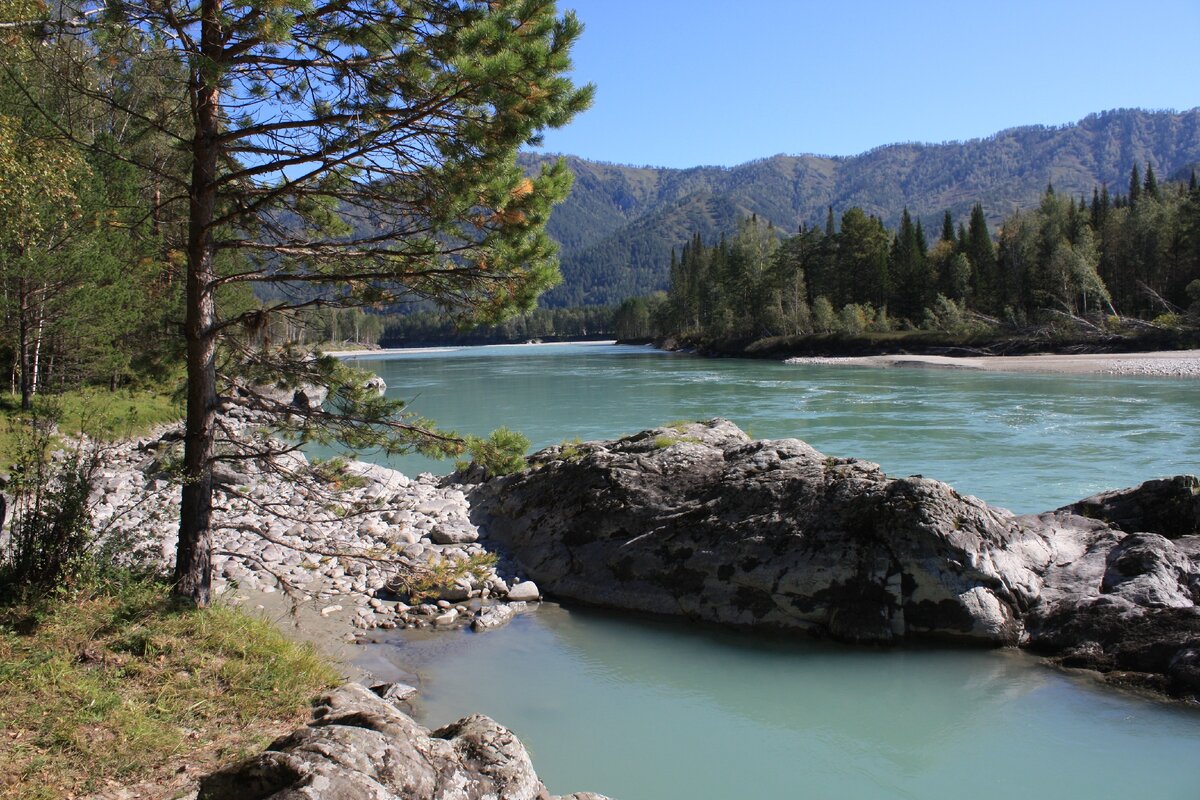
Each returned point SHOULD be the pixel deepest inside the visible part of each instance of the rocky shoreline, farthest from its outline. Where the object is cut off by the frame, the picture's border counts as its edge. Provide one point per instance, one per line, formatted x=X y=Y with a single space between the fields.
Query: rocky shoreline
x=696 y=521
x=365 y=547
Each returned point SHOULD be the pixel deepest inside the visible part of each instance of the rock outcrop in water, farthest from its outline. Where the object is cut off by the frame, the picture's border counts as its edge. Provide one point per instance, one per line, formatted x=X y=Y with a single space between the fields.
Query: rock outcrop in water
x=360 y=746
x=699 y=521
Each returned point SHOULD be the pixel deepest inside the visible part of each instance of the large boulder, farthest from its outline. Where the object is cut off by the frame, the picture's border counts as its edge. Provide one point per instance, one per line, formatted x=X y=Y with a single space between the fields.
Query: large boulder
x=361 y=746
x=697 y=520
x=1169 y=507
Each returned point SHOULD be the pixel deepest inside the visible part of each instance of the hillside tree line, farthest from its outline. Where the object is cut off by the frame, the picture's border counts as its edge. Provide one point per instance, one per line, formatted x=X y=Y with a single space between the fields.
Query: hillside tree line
x=1124 y=256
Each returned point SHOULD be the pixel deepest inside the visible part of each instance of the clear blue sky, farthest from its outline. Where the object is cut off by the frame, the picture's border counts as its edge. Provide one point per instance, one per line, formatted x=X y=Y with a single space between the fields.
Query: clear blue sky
x=682 y=83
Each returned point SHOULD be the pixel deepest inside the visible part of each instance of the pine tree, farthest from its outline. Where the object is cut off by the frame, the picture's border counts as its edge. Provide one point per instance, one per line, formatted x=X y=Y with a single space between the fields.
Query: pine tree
x=911 y=282
x=982 y=254
x=366 y=151
x=862 y=269
x=947 y=227
x=1151 y=184
x=1135 y=186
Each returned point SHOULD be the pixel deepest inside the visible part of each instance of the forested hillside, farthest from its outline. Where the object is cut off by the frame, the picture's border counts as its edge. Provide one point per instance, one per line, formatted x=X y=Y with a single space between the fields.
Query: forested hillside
x=618 y=227
x=1099 y=266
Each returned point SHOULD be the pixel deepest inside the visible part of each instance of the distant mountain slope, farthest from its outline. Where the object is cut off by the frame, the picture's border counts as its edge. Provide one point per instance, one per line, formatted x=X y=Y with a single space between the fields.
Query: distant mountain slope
x=617 y=228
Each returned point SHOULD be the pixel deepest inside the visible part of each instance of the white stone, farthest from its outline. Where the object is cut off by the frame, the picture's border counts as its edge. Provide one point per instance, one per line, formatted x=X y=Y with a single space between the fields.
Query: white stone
x=526 y=590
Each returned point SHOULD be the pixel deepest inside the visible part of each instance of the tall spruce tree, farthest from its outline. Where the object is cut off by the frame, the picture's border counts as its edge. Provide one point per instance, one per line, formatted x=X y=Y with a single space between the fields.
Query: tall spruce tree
x=982 y=254
x=346 y=152
x=1151 y=184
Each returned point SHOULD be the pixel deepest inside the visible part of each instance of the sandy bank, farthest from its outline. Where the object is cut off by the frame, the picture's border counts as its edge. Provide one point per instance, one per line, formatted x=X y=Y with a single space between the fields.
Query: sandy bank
x=1173 y=363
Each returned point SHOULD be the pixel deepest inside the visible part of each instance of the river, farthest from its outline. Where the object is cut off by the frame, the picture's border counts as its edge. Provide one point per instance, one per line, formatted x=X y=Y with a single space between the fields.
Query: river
x=654 y=710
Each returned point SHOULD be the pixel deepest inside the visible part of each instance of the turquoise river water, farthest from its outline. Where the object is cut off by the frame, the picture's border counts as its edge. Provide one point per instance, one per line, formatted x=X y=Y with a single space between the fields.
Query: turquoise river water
x=655 y=709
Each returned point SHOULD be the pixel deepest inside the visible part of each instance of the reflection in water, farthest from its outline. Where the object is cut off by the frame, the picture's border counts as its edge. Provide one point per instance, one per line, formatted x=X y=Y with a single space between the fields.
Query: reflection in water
x=659 y=709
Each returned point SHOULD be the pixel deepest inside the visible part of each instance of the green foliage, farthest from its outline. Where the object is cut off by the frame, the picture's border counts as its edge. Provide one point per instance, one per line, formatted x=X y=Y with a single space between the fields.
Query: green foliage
x=663 y=441
x=428 y=581
x=50 y=531
x=951 y=316
x=1193 y=293
x=571 y=450
x=823 y=317
x=501 y=453
x=636 y=318
x=335 y=471
x=100 y=414
x=429 y=327
x=1051 y=265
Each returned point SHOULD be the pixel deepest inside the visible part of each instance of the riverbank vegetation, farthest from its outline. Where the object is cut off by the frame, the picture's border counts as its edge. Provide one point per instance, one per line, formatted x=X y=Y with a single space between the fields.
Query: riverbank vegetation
x=1115 y=264
x=1072 y=270
x=112 y=683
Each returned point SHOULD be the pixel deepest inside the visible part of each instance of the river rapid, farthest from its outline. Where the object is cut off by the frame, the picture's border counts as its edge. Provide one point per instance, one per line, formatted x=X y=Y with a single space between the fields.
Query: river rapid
x=644 y=708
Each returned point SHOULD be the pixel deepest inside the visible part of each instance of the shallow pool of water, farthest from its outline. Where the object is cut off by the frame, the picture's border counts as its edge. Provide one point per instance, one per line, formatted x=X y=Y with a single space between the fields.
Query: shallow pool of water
x=659 y=709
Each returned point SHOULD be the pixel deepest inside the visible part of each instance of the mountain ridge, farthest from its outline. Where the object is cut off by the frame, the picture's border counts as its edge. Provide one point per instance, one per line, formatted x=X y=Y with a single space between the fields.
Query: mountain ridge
x=617 y=228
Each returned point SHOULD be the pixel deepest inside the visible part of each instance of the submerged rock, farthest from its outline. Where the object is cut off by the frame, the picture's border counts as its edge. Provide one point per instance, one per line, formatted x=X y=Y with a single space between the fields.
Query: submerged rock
x=361 y=746
x=699 y=521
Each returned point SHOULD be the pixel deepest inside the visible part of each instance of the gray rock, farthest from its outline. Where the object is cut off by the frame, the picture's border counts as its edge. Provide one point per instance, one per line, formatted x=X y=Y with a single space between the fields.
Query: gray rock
x=454 y=592
x=525 y=590
x=493 y=617
x=701 y=522
x=1149 y=570
x=394 y=692
x=361 y=746
x=271 y=554
x=376 y=384
x=1169 y=507
x=453 y=533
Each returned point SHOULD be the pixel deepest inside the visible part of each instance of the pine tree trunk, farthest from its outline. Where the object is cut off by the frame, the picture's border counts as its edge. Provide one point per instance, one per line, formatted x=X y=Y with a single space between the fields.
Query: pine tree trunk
x=193 y=558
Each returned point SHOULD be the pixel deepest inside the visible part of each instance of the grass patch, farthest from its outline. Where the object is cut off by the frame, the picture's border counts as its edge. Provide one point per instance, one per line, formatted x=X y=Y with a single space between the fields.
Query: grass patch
x=572 y=450
x=122 y=685
x=99 y=413
x=662 y=442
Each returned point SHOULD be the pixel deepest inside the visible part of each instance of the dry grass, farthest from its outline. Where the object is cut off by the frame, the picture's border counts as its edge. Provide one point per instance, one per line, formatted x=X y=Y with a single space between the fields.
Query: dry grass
x=122 y=686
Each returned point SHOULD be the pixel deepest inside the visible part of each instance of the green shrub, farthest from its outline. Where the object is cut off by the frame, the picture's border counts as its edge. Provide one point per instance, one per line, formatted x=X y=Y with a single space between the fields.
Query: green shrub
x=50 y=533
